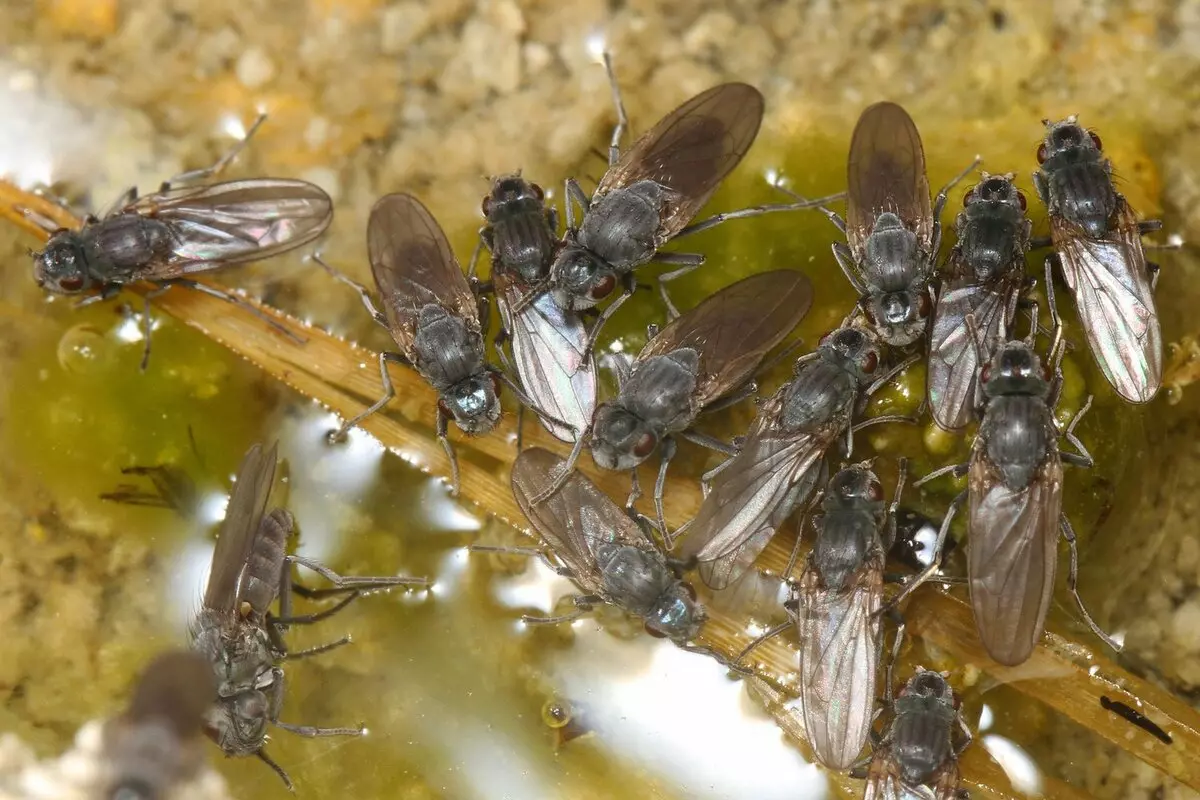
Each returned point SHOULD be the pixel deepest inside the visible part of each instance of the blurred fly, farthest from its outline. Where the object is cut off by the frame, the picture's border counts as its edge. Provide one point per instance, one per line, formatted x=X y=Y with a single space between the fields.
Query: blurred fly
x=707 y=355
x=837 y=604
x=156 y=744
x=783 y=455
x=651 y=193
x=235 y=629
x=983 y=277
x=554 y=363
x=434 y=318
x=182 y=230
x=923 y=743
x=1098 y=240
x=1014 y=496
x=602 y=549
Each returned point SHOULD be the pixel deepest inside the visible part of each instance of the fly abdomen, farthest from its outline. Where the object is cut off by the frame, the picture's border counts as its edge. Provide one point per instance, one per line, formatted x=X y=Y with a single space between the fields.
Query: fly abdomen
x=816 y=395
x=633 y=578
x=921 y=742
x=522 y=243
x=1086 y=195
x=265 y=564
x=1017 y=430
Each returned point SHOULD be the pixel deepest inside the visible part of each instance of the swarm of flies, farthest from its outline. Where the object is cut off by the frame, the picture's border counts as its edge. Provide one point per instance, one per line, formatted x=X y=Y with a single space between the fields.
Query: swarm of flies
x=959 y=313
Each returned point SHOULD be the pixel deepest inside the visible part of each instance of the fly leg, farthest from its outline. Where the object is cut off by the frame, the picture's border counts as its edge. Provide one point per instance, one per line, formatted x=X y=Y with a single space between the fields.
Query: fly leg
x=660 y=487
x=524 y=551
x=278 y=770
x=363 y=294
x=148 y=322
x=573 y=191
x=935 y=562
x=939 y=203
x=220 y=294
x=1068 y=533
x=882 y=418
x=687 y=262
x=804 y=202
x=890 y=532
x=310 y=731
x=897 y=644
x=223 y=162
x=747 y=389
x=1082 y=458
x=718 y=657
x=614 y=144
x=583 y=604
x=769 y=634
x=946 y=781
x=526 y=401
x=757 y=211
x=388 y=393
x=560 y=479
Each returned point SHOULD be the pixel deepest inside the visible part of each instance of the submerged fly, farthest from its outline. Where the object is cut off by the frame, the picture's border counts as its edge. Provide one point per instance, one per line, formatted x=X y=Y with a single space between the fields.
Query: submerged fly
x=983 y=278
x=170 y=236
x=156 y=744
x=1098 y=240
x=596 y=544
x=837 y=605
x=235 y=629
x=550 y=348
x=923 y=743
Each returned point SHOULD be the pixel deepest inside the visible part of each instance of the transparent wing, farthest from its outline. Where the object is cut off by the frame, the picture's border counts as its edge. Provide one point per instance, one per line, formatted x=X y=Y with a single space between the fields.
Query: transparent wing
x=548 y=346
x=574 y=520
x=883 y=779
x=691 y=150
x=753 y=495
x=232 y=222
x=1109 y=280
x=1012 y=556
x=733 y=329
x=242 y=518
x=414 y=265
x=887 y=173
x=839 y=660
x=953 y=364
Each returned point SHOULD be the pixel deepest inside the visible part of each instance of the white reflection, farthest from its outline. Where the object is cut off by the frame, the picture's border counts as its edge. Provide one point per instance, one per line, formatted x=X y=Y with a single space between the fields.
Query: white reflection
x=130 y=329
x=678 y=715
x=188 y=574
x=538 y=587
x=986 y=718
x=926 y=536
x=234 y=127
x=442 y=512
x=449 y=571
x=1016 y=763
x=772 y=175
x=596 y=44
x=211 y=509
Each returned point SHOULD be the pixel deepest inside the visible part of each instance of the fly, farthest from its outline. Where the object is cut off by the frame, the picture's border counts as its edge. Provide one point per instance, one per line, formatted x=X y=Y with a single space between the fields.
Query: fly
x=168 y=237
x=238 y=635
x=782 y=458
x=549 y=345
x=433 y=317
x=983 y=277
x=1098 y=241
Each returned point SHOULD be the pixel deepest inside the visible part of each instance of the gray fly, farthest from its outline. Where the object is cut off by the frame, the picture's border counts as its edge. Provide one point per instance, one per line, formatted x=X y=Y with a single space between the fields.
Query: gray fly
x=983 y=277
x=156 y=743
x=892 y=232
x=1098 y=240
x=168 y=237
x=707 y=355
x=782 y=457
x=235 y=630
x=549 y=345
x=924 y=741
x=651 y=193
x=433 y=317
x=836 y=606
x=592 y=541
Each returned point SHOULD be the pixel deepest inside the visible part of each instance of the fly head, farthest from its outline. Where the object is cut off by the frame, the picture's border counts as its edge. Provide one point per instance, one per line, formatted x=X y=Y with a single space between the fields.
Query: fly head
x=1015 y=370
x=900 y=317
x=512 y=196
x=854 y=486
x=238 y=724
x=580 y=279
x=854 y=350
x=677 y=615
x=62 y=267
x=992 y=227
x=620 y=439
x=473 y=402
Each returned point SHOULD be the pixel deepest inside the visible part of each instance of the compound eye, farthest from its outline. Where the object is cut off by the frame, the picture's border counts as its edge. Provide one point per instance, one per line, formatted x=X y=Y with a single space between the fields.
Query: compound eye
x=1041 y=153
x=870 y=363
x=923 y=305
x=645 y=445
x=496 y=384
x=985 y=374
x=487 y=205
x=71 y=284
x=603 y=287
x=537 y=192
x=655 y=632
x=967 y=197
x=875 y=491
x=690 y=591
x=1096 y=140
x=1021 y=199
x=444 y=408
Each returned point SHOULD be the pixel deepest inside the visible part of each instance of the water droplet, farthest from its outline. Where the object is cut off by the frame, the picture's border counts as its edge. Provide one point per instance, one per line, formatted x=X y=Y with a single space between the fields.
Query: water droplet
x=83 y=349
x=557 y=713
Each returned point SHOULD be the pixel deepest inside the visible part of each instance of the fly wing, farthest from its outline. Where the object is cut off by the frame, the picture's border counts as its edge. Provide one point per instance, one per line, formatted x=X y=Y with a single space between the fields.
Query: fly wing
x=573 y=521
x=839 y=660
x=242 y=518
x=883 y=779
x=1109 y=280
x=887 y=173
x=733 y=329
x=752 y=496
x=414 y=266
x=952 y=379
x=549 y=349
x=1013 y=555
x=690 y=151
x=233 y=222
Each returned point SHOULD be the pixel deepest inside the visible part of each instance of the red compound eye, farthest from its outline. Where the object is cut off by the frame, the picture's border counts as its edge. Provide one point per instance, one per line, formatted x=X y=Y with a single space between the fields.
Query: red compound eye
x=603 y=287
x=875 y=491
x=496 y=384
x=537 y=191
x=967 y=197
x=1021 y=200
x=871 y=362
x=645 y=445
x=923 y=305
x=1041 y=153
x=985 y=373
x=655 y=632
x=71 y=284
x=691 y=591
x=487 y=205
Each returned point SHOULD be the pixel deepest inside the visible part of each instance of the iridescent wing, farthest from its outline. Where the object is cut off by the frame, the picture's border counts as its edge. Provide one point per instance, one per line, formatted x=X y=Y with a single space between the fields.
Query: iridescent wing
x=690 y=151
x=242 y=517
x=953 y=371
x=414 y=266
x=549 y=351
x=573 y=521
x=232 y=222
x=753 y=494
x=886 y=172
x=733 y=329
x=1012 y=556
x=839 y=660
x=1109 y=280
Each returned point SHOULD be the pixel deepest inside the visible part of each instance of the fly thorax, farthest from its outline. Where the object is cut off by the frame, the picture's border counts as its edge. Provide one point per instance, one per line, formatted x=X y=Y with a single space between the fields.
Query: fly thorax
x=447 y=350
x=1081 y=190
x=119 y=245
x=523 y=244
x=1017 y=432
x=816 y=395
x=989 y=242
x=579 y=278
x=660 y=389
x=621 y=439
x=622 y=226
x=634 y=578
x=841 y=550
